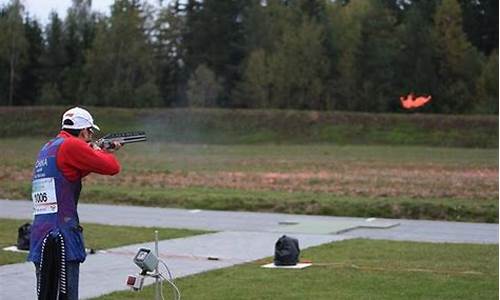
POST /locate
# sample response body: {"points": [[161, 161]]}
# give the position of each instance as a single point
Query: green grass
{"points": [[224, 126], [97, 237], [155, 155], [295, 203], [298, 203], [354, 269], [8, 237], [435, 197]]}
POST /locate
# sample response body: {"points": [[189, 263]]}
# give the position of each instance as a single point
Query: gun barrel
{"points": [[135, 139]]}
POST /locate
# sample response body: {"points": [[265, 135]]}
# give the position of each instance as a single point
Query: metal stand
{"points": [[157, 271]]}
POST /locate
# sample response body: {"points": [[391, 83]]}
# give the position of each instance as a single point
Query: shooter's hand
{"points": [[94, 146], [115, 146]]}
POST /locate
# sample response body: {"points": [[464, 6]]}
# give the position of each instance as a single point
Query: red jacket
{"points": [[77, 159]]}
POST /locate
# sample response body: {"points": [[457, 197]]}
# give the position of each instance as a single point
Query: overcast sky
{"points": [[41, 8]]}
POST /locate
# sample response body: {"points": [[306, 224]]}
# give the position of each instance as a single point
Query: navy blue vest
{"points": [[55, 201]]}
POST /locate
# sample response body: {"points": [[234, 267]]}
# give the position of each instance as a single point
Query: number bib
{"points": [[44, 196]]}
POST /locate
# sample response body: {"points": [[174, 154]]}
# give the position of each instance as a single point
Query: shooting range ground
{"points": [[360, 180], [415, 166], [354, 269], [333, 163]]}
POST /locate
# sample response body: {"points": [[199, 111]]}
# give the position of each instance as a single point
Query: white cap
{"points": [[80, 119]]}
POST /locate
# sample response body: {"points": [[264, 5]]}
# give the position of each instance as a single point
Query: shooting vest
{"points": [[55, 201]]}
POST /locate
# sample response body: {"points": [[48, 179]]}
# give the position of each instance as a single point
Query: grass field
{"points": [[381, 181], [345, 164], [233, 126], [97, 237], [330, 163], [354, 269]]}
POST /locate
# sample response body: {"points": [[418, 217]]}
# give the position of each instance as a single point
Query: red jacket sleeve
{"points": [[76, 159]]}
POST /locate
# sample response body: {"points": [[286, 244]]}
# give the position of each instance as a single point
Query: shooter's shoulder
{"points": [[73, 144]]}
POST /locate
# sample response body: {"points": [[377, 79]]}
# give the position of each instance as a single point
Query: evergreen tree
{"points": [[169, 53], [30, 82], [120, 66], [347, 25], [487, 86], [416, 67], [54, 61], [376, 60], [254, 90], [303, 54], [313, 9], [203, 88], [78, 35], [214, 37], [480, 23], [280, 17], [287, 66], [459, 62], [13, 49], [263, 28], [298, 67], [257, 28]]}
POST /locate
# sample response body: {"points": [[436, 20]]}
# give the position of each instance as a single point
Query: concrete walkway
{"points": [[241, 237]]}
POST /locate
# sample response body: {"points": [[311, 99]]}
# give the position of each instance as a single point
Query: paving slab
{"points": [[332, 226], [433, 231]]}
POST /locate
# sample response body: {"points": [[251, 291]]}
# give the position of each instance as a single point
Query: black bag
{"points": [[23, 237], [286, 251]]}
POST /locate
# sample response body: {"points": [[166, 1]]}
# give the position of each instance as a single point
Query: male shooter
{"points": [[56, 242]]}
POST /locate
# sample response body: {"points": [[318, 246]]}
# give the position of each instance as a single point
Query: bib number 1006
{"points": [[44, 196], [40, 197]]}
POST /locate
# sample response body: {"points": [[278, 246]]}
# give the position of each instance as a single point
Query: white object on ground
{"points": [[297, 266], [14, 249]]}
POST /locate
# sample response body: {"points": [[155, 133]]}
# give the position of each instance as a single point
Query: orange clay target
{"points": [[412, 102]]}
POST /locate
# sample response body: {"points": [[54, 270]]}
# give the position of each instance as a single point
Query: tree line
{"points": [[358, 55]]}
